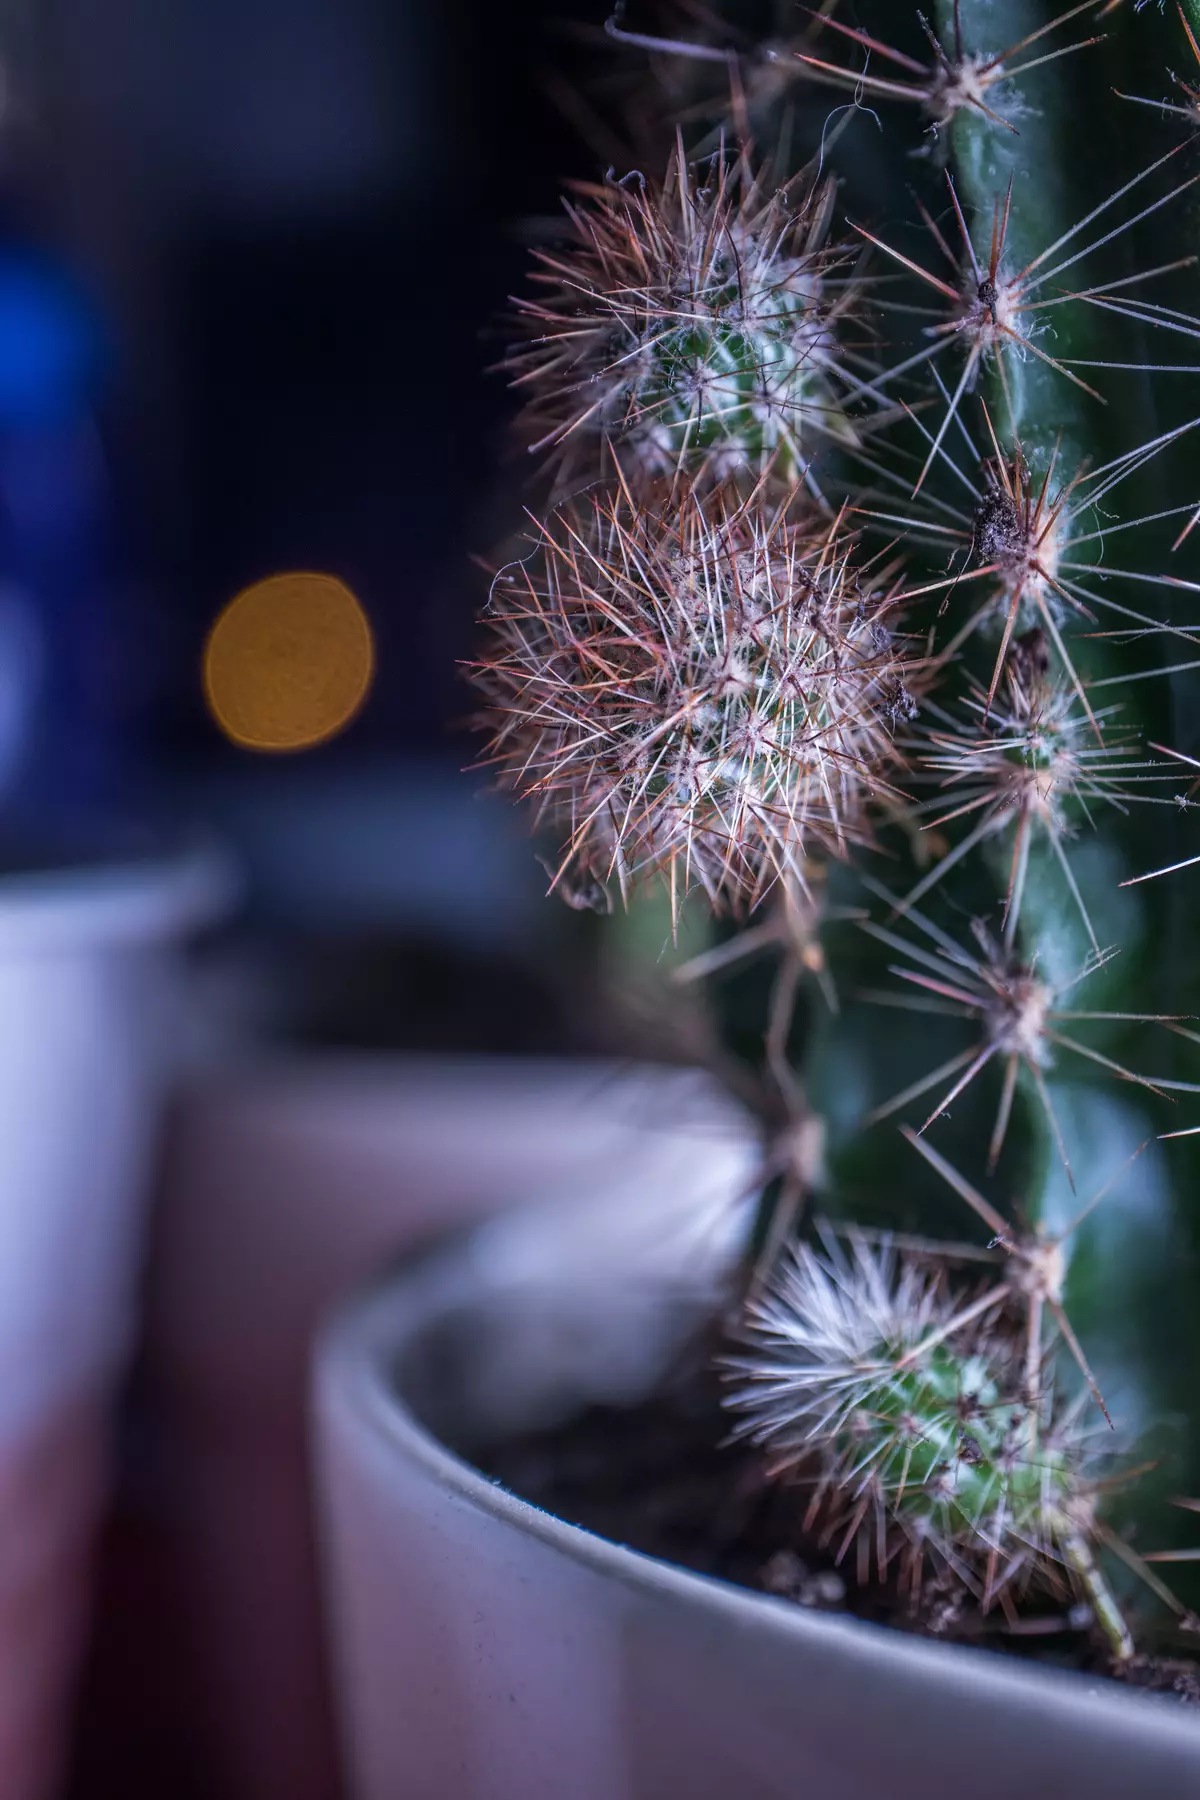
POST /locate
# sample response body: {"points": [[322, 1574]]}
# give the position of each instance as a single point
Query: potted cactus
{"points": [[858, 619]]}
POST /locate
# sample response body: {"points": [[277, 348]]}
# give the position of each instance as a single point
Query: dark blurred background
{"points": [[260, 247], [297, 218]]}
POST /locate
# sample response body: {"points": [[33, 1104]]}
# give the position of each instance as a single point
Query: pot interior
{"points": [[527, 1359], [585, 1300]]}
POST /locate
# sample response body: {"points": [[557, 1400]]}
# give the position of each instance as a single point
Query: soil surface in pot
{"points": [[662, 1478]]}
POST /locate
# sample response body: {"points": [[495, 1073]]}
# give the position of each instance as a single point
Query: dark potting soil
{"points": [[662, 1478]]}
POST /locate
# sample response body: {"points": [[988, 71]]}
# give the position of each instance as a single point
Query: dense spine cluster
{"points": [[838, 570], [694, 323], [708, 692], [907, 1410]]}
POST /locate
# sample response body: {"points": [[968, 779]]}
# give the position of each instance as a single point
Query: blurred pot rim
{"points": [[115, 900]]}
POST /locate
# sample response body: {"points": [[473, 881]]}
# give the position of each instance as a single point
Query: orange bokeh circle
{"points": [[288, 662]]}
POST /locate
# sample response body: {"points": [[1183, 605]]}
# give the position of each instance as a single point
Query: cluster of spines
{"points": [[694, 325], [901, 1399], [707, 692]]}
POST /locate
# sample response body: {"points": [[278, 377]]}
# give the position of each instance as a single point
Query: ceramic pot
{"points": [[89, 993], [487, 1650]]}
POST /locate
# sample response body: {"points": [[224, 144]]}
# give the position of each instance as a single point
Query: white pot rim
{"points": [[357, 1354], [113, 902]]}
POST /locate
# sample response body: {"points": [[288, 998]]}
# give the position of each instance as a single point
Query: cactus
{"points": [[849, 636]]}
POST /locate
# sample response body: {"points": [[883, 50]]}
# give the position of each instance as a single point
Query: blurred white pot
{"points": [[88, 998], [285, 1186], [489, 1651]]}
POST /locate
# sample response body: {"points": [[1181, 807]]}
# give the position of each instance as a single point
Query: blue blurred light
{"points": [[51, 343]]}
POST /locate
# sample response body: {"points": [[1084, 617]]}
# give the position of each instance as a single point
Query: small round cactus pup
{"points": [[902, 1399], [707, 693], [690, 326]]}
